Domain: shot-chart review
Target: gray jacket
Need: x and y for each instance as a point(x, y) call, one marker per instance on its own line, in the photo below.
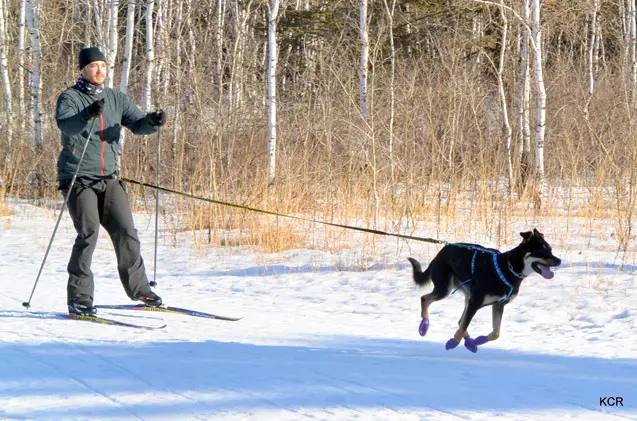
point(74, 122)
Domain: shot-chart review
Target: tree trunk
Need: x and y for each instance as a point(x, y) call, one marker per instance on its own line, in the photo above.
point(32, 15)
point(392, 76)
point(112, 42)
point(273, 11)
point(591, 68)
point(21, 63)
point(523, 146)
point(150, 55)
point(364, 37)
point(506, 127)
point(128, 46)
point(540, 101)
point(4, 79)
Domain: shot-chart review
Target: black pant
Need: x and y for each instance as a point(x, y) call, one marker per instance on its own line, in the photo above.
point(95, 203)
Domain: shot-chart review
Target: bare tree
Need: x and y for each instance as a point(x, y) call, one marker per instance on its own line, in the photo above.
point(97, 15)
point(503, 100)
point(111, 48)
point(128, 46)
point(4, 79)
point(540, 100)
point(524, 98)
point(273, 12)
point(21, 62)
point(392, 77)
point(150, 55)
point(593, 42)
point(364, 37)
point(32, 16)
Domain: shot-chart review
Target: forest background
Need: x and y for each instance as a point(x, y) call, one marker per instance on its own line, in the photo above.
point(381, 113)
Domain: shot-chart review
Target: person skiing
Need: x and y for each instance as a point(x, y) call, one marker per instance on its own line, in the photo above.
point(98, 197)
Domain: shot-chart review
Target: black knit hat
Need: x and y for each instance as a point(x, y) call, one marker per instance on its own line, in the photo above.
point(89, 55)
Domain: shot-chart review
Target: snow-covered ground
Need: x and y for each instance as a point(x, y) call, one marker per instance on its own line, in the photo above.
point(318, 340)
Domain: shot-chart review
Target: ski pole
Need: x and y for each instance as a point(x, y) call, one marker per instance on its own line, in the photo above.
point(27, 304)
point(153, 283)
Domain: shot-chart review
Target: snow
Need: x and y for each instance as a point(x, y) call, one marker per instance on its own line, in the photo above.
point(324, 335)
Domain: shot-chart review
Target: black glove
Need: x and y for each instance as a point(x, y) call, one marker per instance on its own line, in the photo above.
point(158, 118)
point(96, 108)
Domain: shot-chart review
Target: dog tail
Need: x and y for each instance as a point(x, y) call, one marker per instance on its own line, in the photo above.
point(421, 278)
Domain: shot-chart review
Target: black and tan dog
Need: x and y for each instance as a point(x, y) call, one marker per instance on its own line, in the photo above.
point(485, 276)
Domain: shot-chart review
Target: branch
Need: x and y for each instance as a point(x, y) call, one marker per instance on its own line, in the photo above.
point(517, 16)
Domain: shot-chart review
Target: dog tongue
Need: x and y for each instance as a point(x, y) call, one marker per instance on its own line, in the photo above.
point(545, 271)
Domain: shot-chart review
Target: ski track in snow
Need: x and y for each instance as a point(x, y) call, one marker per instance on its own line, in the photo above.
point(318, 341)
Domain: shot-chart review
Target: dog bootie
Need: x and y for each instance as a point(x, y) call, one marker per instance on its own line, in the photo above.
point(481, 340)
point(424, 326)
point(451, 344)
point(470, 344)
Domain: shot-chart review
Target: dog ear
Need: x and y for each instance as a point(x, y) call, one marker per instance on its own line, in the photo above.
point(526, 236)
point(537, 233)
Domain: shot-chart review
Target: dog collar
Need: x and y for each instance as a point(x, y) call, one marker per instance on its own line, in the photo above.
point(519, 275)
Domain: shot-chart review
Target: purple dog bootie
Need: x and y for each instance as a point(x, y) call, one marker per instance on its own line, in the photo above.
point(470, 344)
point(451, 344)
point(424, 326)
point(481, 340)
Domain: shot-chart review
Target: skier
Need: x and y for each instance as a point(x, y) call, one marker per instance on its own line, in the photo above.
point(98, 197)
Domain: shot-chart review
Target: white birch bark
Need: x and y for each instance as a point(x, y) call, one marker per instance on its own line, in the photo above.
point(161, 65)
point(126, 65)
point(21, 63)
point(111, 57)
point(591, 62)
point(97, 15)
point(392, 76)
point(632, 49)
point(128, 46)
point(503, 100)
point(32, 16)
point(241, 16)
point(87, 28)
point(273, 12)
point(221, 13)
point(150, 55)
point(4, 79)
point(541, 97)
point(178, 78)
point(524, 129)
point(364, 37)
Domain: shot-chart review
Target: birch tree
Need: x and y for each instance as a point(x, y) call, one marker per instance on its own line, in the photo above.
point(21, 62)
point(4, 78)
point(219, 35)
point(111, 48)
point(632, 49)
point(540, 100)
point(273, 11)
point(32, 16)
point(392, 76)
point(503, 100)
point(128, 46)
point(97, 15)
point(150, 55)
point(593, 42)
point(524, 97)
point(364, 38)
point(178, 77)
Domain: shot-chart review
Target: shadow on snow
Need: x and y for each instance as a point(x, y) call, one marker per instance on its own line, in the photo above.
point(352, 372)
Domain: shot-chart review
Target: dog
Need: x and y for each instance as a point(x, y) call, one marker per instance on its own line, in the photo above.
point(485, 276)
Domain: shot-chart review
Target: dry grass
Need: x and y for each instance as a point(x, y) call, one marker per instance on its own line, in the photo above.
point(4, 209)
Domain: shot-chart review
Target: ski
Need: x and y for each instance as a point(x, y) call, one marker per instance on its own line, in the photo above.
point(167, 309)
point(102, 320)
